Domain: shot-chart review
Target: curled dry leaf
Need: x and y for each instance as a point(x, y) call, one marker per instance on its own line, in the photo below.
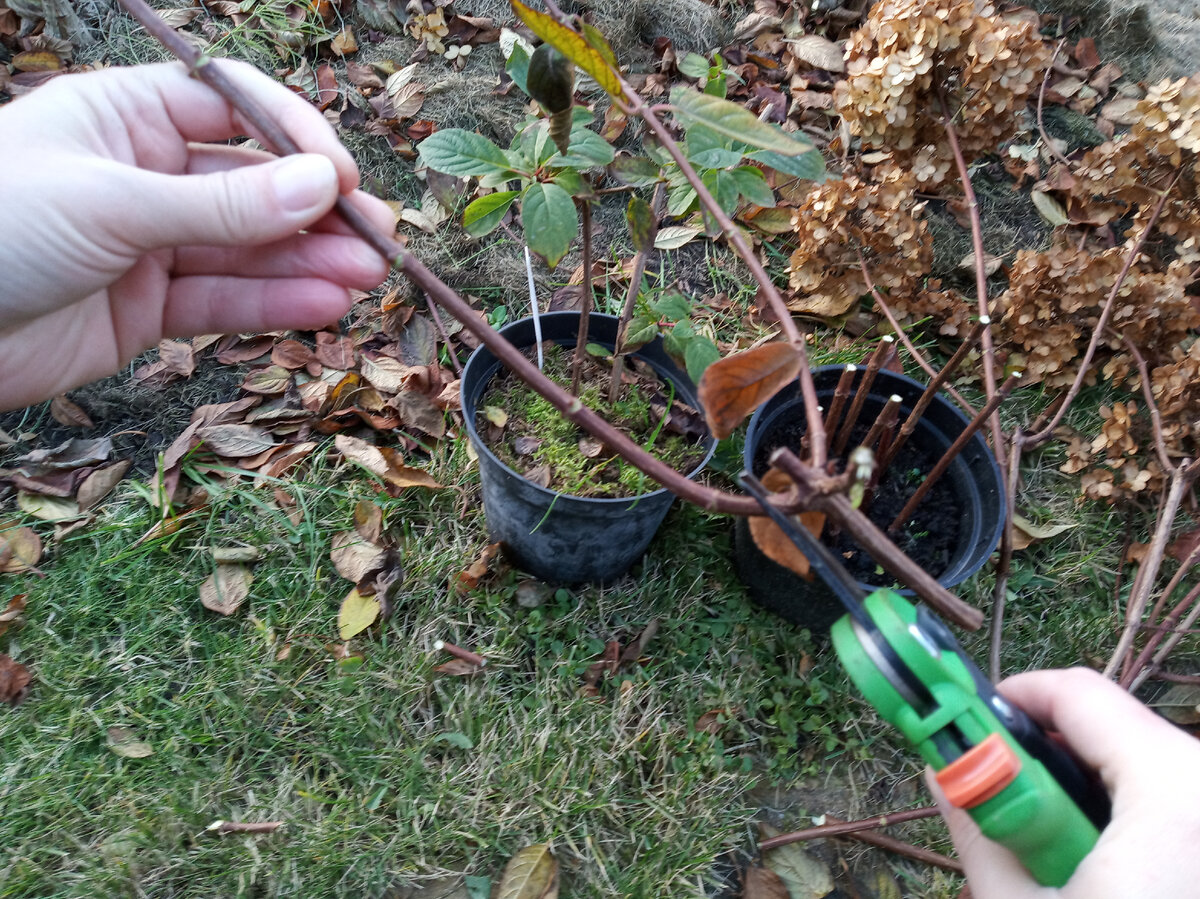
point(179, 357)
point(356, 614)
point(530, 874)
point(16, 606)
point(590, 448)
point(65, 412)
point(368, 521)
point(20, 550)
point(735, 386)
point(804, 875)
point(124, 742)
point(469, 578)
point(778, 548)
point(383, 462)
point(355, 558)
point(991, 264)
point(1026, 533)
point(100, 483)
point(226, 589)
point(14, 680)
point(819, 52)
point(763, 883)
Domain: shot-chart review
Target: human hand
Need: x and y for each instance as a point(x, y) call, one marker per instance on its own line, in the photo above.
point(1148, 767)
point(121, 228)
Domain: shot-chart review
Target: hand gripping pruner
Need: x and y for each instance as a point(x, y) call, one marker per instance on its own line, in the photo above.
point(1022, 788)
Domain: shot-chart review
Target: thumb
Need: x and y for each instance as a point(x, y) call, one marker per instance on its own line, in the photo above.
point(251, 204)
point(992, 871)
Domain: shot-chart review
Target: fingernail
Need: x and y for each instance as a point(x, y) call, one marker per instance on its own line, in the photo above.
point(304, 182)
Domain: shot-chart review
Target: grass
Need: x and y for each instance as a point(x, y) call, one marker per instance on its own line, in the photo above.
point(392, 773)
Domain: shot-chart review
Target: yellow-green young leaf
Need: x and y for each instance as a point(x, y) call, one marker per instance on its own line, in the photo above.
point(733, 121)
point(599, 43)
point(485, 214)
point(571, 45)
point(530, 874)
point(357, 613)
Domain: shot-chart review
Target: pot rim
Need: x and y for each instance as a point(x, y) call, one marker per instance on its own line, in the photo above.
point(496, 364)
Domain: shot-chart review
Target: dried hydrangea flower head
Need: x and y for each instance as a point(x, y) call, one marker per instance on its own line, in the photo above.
point(914, 58)
point(844, 216)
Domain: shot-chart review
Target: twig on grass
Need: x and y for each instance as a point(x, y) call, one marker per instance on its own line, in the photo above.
point(244, 826)
point(459, 653)
point(908, 850)
point(844, 828)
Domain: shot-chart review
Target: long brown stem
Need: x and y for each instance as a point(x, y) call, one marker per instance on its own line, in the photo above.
point(981, 289)
point(585, 306)
point(951, 454)
point(1106, 311)
point(733, 234)
point(441, 329)
point(1143, 584)
point(931, 390)
point(1138, 670)
point(1004, 565)
point(209, 71)
point(875, 542)
point(874, 363)
point(908, 850)
point(847, 827)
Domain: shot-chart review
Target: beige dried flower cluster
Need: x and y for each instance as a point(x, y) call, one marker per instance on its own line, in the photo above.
point(1054, 300)
point(845, 216)
point(912, 59)
point(431, 28)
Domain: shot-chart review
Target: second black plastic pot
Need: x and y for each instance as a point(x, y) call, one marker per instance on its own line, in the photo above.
point(555, 536)
point(974, 479)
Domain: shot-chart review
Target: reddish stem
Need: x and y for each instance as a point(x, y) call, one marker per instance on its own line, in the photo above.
point(844, 828)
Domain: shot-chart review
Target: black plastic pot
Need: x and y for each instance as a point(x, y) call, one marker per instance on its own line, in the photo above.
point(555, 536)
point(973, 478)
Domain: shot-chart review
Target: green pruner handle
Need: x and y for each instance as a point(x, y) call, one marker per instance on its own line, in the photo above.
point(967, 735)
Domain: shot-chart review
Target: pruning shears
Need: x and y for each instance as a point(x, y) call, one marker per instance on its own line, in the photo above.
point(1023, 789)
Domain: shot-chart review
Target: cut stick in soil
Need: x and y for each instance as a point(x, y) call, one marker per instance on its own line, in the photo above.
point(952, 453)
point(910, 423)
point(885, 421)
point(864, 390)
point(840, 394)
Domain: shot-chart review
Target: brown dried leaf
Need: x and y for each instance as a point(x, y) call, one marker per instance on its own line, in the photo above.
point(819, 52)
point(48, 508)
point(236, 441)
point(368, 521)
point(735, 386)
point(458, 668)
point(763, 883)
point(14, 680)
point(226, 589)
point(344, 42)
point(530, 874)
point(100, 483)
point(1182, 547)
point(418, 411)
point(778, 548)
point(291, 354)
point(354, 558)
point(335, 351)
point(16, 606)
point(270, 380)
point(590, 448)
point(469, 578)
point(65, 412)
point(991, 264)
point(383, 462)
point(124, 742)
point(178, 356)
point(387, 374)
point(20, 550)
point(245, 350)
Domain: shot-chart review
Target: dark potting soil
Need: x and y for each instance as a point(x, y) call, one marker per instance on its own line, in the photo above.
point(929, 537)
point(530, 436)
